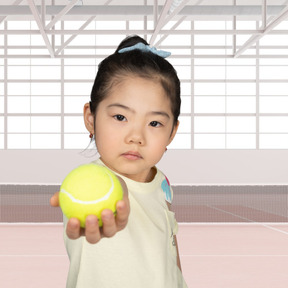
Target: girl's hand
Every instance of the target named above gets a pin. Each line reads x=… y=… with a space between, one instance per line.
x=111 y=224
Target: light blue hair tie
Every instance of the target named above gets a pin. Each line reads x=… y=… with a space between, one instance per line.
x=145 y=48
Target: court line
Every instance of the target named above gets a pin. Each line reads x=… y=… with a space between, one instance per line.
x=244 y=218
x=261 y=210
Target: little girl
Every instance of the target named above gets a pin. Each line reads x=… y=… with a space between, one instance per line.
x=133 y=116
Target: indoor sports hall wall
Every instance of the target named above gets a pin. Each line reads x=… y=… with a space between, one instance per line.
x=234 y=116
x=197 y=167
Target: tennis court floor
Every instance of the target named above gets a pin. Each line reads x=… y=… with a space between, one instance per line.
x=246 y=255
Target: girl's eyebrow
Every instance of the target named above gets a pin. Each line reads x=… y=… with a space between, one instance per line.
x=160 y=113
x=120 y=106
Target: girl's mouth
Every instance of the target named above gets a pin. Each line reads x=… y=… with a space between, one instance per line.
x=132 y=155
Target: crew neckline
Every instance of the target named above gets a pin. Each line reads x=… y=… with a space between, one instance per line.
x=133 y=183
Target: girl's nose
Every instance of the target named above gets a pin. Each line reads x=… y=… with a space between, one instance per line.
x=135 y=137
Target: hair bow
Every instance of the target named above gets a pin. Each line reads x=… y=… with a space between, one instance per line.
x=145 y=48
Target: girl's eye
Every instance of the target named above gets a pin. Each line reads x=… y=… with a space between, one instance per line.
x=155 y=124
x=119 y=117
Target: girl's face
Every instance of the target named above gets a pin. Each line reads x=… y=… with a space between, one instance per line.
x=133 y=126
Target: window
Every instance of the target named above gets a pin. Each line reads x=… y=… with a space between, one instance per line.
x=227 y=103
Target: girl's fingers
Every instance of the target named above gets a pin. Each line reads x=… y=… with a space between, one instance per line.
x=54 y=200
x=122 y=207
x=109 y=224
x=92 y=230
x=73 y=229
x=123 y=210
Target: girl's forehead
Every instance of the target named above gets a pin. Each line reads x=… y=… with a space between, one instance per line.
x=138 y=92
x=129 y=78
x=131 y=86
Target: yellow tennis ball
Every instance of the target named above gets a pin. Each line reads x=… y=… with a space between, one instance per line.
x=88 y=190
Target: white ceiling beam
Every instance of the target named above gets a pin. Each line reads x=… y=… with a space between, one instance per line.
x=69 y=40
x=101 y=56
x=176 y=11
x=143 y=31
x=210 y=47
x=155 y=12
x=17 y=2
x=253 y=39
x=234 y=28
x=165 y=17
x=146 y=10
x=235 y=35
x=40 y=26
x=264 y=13
x=172 y=28
x=161 y=20
x=43 y=12
x=63 y=12
x=264 y=23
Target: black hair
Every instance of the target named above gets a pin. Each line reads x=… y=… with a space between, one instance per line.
x=136 y=63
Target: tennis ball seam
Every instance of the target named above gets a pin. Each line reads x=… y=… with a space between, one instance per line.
x=106 y=197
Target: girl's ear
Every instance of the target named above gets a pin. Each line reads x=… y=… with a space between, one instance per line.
x=88 y=118
x=174 y=131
